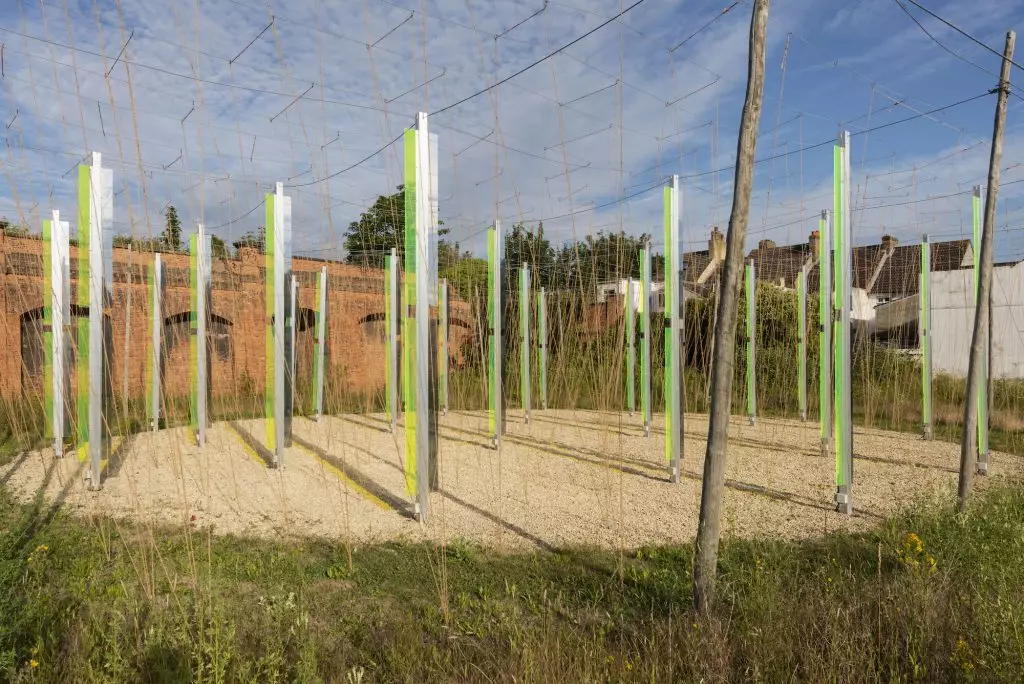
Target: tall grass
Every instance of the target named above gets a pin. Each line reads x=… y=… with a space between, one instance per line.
x=587 y=370
x=931 y=596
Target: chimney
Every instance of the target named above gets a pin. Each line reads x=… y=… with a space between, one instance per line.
x=889 y=242
x=766 y=244
x=813 y=242
x=716 y=245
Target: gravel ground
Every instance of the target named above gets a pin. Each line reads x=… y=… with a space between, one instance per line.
x=566 y=478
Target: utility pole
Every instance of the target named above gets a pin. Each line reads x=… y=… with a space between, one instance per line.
x=709 y=526
x=982 y=312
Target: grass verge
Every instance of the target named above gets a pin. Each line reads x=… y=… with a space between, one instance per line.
x=930 y=596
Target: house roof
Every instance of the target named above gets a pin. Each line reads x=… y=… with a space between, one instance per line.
x=866 y=260
x=780 y=265
x=901 y=272
x=694 y=265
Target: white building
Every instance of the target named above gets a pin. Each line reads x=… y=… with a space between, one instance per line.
x=953 y=320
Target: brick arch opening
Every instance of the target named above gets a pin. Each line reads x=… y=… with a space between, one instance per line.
x=33 y=349
x=452 y=320
x=373 y=327
x=221 y=333
x=305 y=344
x=177 y=350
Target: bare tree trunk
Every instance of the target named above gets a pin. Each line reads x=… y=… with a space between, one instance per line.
x=709 y=526
x=982 y=311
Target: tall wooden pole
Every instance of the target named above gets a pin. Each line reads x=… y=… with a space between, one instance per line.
x=709 y=525
x=968 y=444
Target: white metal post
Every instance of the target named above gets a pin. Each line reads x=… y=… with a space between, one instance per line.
x=542 y=347
x=292 y=322
x=645 y=337
x=279 y=229
x=391 y=316
x=843 y=303
x=57 y=240
x=320 y=368
x=924 y=334
x=525 y=386
x=156 y=287
x=977 y=200
x=801 y=290
x=495 y=253
x=442 y=344
x=673 y=298
x=630 y=323
x=751 y=289
x=201 y=249
x=97 y=214
x=825 y=332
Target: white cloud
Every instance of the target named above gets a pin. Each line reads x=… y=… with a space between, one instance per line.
x=206 y=141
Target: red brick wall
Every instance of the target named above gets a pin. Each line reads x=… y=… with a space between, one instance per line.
x=355 y=354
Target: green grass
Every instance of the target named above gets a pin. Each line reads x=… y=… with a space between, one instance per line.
x=108 y=601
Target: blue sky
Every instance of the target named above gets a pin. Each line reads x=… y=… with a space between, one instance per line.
x=211 y=130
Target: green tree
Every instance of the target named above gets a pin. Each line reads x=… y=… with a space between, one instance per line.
x=14 y=230
x=381 y=228
x=171 y=236
x=256 y=239
x=467 y=277
x=137 y=244
x=596 y=259
x=524 y=246
x=218 y=248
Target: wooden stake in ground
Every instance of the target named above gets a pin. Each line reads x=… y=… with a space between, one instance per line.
x=709 y=524
x=968 y=445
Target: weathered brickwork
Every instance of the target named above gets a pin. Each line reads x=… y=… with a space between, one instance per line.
x=355 y=344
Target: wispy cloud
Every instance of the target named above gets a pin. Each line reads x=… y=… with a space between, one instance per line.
x=193 y=116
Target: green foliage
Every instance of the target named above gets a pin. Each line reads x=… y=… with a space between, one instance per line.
x=21 y=426
x=256 y=239
x=931 y=596
x=468 y=278
x=524 y=246
x=20 y=230
x=218 y=248
x=379 y=229
x=580 y=266
x=171 y=235
x=138 y=244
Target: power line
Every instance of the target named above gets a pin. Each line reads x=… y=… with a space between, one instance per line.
x=917 y=201
x=365 y=159
x=477 y=94
x=949 y=50
x=702 y=28
x=190 y=77
x=238 y=218
x=830 y=141
x=961 y=31
x=465 y=99
x=539 y=61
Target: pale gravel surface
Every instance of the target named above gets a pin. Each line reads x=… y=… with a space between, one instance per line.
x=567 y=478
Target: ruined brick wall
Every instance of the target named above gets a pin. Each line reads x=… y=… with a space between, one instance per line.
x=238 y=327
